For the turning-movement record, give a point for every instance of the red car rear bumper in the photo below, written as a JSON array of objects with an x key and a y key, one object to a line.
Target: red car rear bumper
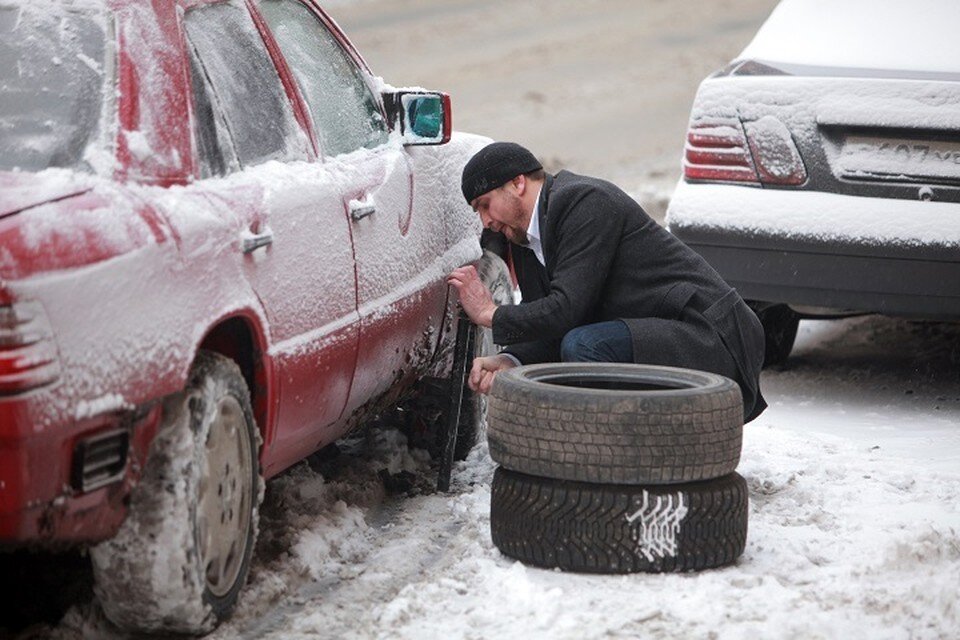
[{"x": 44, "y": 499}]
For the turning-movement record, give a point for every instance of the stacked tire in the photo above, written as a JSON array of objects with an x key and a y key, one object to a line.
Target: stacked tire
[{"x": 617, "y": 468}]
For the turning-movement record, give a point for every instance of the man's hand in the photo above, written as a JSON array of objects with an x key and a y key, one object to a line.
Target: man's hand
[
  {"x": 484, "y": 369},
  {"x": 474, "y": 296}
]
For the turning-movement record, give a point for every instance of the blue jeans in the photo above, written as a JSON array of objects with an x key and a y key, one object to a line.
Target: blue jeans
[{"x": 600, "y": 342}]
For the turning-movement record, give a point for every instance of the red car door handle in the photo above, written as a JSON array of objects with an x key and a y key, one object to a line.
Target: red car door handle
[
  {"x": 360, "y": 209},
  {"x": 253, "y": 241}
]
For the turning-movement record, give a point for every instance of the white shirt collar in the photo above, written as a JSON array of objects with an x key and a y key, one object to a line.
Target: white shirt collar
[{"x": 533, "y": 231}]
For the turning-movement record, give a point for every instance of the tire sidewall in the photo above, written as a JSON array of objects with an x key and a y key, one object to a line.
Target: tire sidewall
[
  {"x": 692, "y": 431},
  {"x": 603, "y": 528}
]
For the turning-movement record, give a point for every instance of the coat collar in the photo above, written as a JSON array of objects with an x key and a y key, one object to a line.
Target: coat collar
[
  {"x": 544, "y": 198},
  {"x": 546, "y": 238}
]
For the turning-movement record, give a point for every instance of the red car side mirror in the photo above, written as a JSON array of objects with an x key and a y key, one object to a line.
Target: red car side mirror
[{"x": 421, "y": 117}]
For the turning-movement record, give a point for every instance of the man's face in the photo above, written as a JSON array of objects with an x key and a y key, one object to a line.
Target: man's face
[{"x": 502, "y": 210}]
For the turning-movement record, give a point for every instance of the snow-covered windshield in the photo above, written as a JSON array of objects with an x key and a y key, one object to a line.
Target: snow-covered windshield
[
  {"x": 890, "y": 35},
  {"x": 53, "y": 65}
]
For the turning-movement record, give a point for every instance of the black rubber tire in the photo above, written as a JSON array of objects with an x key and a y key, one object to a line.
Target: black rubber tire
[
  {"x": 579, "y": 526},
  {"x": 426, "y": 412},
  {"x": 153, "y": 577},
  {"x": 780, "y": 324},
  {"x": 494, "y": 273},
  {"x": 684, "y": 426}
]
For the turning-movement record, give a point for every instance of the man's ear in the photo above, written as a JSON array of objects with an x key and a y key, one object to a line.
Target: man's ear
[{"x": 520, "y": 184}]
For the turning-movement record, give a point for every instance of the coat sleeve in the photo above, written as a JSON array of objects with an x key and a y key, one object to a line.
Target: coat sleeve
[{"x": 585, "y": 242}]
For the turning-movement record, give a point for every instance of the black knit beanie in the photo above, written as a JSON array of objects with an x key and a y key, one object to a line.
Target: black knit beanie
[{"x": 494, "y": 166}]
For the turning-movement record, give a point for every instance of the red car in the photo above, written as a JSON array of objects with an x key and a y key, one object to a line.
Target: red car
[{"x": 221, "y": 247}]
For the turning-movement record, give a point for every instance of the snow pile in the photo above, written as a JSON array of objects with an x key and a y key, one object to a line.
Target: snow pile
[
  {"x": 841, "y": 544},
  {"x": 518, "y": 602},
  {"x": 853, "y": 539},
  {"x": 326, "y": 532},
  {"x": 314, "y": 531}
]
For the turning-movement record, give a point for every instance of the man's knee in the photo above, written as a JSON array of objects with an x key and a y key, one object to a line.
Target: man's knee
[
  {"x": 601, "y": 342},
  {"x": 576, "y": 347}
]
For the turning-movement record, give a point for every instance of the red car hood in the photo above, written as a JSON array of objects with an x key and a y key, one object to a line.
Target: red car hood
[{"x": 19, "y": 191}]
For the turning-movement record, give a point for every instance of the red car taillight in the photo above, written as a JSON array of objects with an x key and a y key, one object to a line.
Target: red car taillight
[
  {"x": 759, "y": 152},
  {"x": 28, "y": 354},
  {"x": 716, "y": 149}
]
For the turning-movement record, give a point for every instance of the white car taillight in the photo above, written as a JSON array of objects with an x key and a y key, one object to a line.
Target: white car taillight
[
  {"x": 28, "y": 354},
  {"x": 759, "y": 152}
]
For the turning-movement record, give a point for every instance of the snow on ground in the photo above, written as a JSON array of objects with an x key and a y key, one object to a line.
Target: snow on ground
[{"x": 854, "y": 525}]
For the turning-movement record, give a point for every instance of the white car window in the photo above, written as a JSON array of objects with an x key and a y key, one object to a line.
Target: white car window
[
  {"x": 245, "y": 86},
  {"x": 344, "y": 111}
]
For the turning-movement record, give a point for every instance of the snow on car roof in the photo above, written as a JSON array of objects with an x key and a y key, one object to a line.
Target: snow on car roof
[{"x": 862, "y": 34}]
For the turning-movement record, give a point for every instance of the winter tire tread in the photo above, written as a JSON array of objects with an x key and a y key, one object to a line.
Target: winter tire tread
[
  {"x": 590, "y": 435},
  {"x": 577, "y": 526}
]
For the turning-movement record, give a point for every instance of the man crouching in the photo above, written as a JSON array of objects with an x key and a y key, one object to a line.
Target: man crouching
[{"x": 601, "y": 281}]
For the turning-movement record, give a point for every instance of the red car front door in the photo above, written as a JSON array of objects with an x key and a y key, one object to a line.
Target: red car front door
[{"x": 394, "y": 247}]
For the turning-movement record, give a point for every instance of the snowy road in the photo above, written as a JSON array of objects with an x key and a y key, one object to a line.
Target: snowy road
[{"x": 854, "y": 476}]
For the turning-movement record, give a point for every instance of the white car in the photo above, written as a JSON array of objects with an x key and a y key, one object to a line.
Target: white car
[{"x": 821, "y": 173}]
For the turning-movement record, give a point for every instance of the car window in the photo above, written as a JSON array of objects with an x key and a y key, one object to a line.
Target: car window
[
  {"x": 217, "y": 155},
  {"x": 344, "y": 111},
  {"x": 55, "y": 64},
  {"x": 243, "y": 85}
]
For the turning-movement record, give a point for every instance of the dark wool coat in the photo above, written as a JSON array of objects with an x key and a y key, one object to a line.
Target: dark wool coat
[{"x": 606, "y": 259}]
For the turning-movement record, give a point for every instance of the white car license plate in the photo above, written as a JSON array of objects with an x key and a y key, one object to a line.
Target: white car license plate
[{"x": 893, "y": 158}]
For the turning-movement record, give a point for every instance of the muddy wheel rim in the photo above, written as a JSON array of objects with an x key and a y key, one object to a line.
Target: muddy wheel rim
[{"x": 223, "y": 510}]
